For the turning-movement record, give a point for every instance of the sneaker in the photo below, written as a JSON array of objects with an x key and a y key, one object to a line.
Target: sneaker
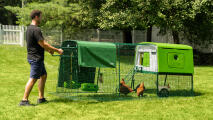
[
  {"x": 43, "y": 100},
  {"x": 25, "y": 103}
]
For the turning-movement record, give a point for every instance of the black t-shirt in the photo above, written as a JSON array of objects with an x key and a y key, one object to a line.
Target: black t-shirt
[{"x": 34, "y": 50}]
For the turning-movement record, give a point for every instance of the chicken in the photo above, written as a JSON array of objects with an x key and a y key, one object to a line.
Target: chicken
[
  {"x": 124, "y": 88},
  {"x": 140, "y": 89}
]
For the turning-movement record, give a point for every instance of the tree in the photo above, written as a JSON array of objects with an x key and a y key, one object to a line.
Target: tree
[
  {"x": 70, "y": 15},
  {"x": 172, "y": 15},
  {"x": 199, "y": 30},
  {"x": 149, "y": 10},
  {"x": 55, "y": 15},
  {"x": 130, "y": 14},
  {"x": 10, "y": 2},
  {"x": 7, "y": 17},
  {"x": 123, "y": 15},
  {"x": 192, "y": 17}
]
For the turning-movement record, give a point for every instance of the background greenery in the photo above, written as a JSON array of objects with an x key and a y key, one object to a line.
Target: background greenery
[
  {"x": 192, "y": 18},
  {"x": 15, "y": 73}
]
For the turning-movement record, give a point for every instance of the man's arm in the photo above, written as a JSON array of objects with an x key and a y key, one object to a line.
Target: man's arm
[{"x": 49, "y": 48}]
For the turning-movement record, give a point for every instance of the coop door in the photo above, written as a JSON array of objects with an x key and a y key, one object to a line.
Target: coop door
[
  {"x": 144, "y": 59},
  {"x": 176, "y": 60}
]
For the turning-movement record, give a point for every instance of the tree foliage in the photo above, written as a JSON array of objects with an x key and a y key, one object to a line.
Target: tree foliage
[
  {"x": 10, "y": 3},
  {"x": 55, "y": 15},
  {"x": 7, "y": 17},
  {"x": 194, "y": 18},
  {"x": 199, "y": 29},
  {"x": 117, "y": 14}
]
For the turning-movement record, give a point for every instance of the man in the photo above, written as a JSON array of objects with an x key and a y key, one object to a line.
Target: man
[{"x": 35, "y": 55}]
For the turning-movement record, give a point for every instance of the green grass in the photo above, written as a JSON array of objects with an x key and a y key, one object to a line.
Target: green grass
[{"x": 14, "y": 74}]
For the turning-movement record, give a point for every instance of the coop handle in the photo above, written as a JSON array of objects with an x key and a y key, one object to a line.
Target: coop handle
[
  {"x": 68, "y": 47},
  {"x": 62, "y": 55}
]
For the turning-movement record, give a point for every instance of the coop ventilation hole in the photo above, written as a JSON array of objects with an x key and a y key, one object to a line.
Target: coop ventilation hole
[{"x": 175, "y": 57}]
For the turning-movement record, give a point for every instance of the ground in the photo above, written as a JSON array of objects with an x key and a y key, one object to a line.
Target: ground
[{"x": 14, "y": 73}]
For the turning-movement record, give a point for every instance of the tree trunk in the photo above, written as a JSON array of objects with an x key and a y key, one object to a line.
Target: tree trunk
[
  {"x": 149, "y": 34},
  {"x": 127, "y": 36},
  {"x": 175, "y": 37}
]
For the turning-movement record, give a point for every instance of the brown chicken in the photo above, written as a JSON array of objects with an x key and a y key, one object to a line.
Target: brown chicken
[
  {"x": 124, "y": 88},
  {"x": 140, "y": 89}
]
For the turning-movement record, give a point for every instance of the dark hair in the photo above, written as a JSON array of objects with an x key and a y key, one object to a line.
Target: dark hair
[{"x": 35, "y": 13}]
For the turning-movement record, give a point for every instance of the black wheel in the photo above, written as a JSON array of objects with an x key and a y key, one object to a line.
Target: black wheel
[{"x": 163, "y": 93}]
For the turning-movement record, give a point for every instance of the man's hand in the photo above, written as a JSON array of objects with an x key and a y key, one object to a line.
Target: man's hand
[{"x": 60, "y": 51}]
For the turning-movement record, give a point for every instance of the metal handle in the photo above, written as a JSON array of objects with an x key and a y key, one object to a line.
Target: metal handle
[
  {"x": 62, "y": 55},
  {"x": 68, "y": 47}
]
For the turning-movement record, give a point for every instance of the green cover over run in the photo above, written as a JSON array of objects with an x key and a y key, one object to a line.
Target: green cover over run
[{"x": 96, "y": 54}]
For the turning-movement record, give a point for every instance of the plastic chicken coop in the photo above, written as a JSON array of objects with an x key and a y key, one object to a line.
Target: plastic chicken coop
[
  {"x": 93, "y": 70},
  {"x": 172, "y": 64}
]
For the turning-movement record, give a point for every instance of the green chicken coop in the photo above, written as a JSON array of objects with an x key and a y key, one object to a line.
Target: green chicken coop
[
  {"x": 93, "y": 70},
  {"x": 165, "y": 59}
]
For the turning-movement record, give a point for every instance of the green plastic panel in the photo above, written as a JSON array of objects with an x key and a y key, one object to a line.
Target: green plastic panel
[
  {"x": 169, "y": 46},
  {"x": 176, "y": 60},
  {"x": 89, "y": 87},
  {"x": 146, "y": 59}
]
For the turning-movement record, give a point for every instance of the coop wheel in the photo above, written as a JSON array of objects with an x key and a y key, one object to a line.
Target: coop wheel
[{"x": 163, "y": 93}]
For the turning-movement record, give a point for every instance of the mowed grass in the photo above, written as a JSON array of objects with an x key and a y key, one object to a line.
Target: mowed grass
[{"x": 14, "y": 74}]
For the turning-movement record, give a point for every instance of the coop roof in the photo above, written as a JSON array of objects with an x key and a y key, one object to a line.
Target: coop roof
[
  {"x": 167, "y": 45},
  {"x": 96, "y": 54}
]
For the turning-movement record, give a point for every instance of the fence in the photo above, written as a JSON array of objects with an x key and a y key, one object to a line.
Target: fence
[
  {"x": 53, "y": 37},
  {"x": 12, "y": 35},
  {"x": 15, "y": 35}
]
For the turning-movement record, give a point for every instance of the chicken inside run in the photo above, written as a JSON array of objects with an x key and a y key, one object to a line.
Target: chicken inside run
[{"x": 99, "y": 70}]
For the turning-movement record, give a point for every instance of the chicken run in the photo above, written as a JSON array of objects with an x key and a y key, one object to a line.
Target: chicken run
[{"x": 100, "y": 70}]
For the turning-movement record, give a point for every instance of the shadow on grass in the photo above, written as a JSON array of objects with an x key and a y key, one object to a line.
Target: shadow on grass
[
  {"x": 184, "y": 93},
  {"x": 98, "y": 98},
  {"x": 175, "y": 93},
  {"x": 94, "y": 98}
]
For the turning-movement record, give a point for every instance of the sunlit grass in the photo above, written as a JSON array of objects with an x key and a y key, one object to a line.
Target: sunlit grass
[{"x": 14, "y": 74}]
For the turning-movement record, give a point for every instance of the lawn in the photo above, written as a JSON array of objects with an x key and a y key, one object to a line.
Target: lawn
[{"x": 14, "y": 73}]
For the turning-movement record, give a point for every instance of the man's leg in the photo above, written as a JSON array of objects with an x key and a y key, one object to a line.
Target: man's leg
[
  {"x": 28, "y": 88},
  {"x": 41, "y": 86}
]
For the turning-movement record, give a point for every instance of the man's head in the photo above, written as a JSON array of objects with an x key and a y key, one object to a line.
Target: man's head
[{"x": 36, "y": 16}]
